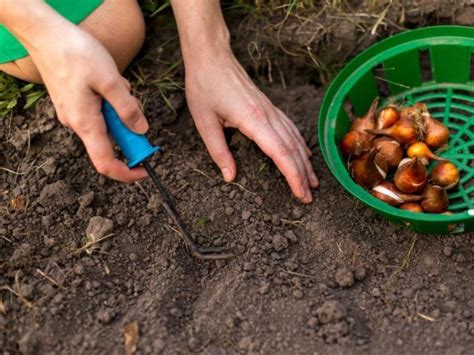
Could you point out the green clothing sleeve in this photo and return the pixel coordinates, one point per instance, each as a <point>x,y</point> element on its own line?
<point>74,11</point>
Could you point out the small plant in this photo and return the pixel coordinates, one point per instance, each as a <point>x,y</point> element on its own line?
<point>13,91</point>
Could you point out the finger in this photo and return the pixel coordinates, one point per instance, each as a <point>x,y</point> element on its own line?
<point>213,136</point>
<point>116,92</point>
<point>299,156</point>
<point>296,131</point>
<point>101,153</point>
<point>261,131</point>
<point>313,179</point>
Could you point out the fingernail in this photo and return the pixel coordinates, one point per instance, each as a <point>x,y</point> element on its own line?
<point>304,192</point>
<point>227,173</point>
<point>141,126</point>
<point>314,179</point>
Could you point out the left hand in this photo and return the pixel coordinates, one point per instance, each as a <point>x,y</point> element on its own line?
<point>221,94</point>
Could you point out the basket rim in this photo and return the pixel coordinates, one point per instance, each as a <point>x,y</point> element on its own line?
<point>411,39</point>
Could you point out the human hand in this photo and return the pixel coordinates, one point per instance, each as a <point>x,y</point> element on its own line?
<point>78,73</point>
<point>221,94</point>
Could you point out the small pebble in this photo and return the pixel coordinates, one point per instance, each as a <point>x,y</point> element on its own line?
<point>86,199</point>
<point>105,316</point>
<point>448,251</point>
<point>360,273</point>
<point>297,212</point>
<point>133,257</point>
<point>290,235</point>
<point>229,211</point>
<point>298,294</point>
<point>246,215</point>
<point>279,242</point>
<point>375,292</point>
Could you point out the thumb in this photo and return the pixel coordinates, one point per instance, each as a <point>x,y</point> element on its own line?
<point>212,134</point>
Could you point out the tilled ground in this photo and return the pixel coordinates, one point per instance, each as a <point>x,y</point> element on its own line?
<point>83,258</point>
<point>328,277</point>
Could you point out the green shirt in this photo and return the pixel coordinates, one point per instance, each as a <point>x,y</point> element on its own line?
<point>74,11</point>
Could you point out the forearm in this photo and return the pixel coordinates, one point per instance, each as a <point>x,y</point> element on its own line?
<point>31,21</point>
<point>202,29</point>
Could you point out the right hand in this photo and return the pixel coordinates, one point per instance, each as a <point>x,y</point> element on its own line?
<point>78,73</point>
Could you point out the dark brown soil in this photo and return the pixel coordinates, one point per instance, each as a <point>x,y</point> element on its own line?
<point>327,278</point>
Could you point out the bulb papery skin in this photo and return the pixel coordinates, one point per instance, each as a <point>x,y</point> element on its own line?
<point>445,174</point>
<point>411,176</point>
<point>355,143</point>
<point>435,199</point>
<point>388,193</point>
<point>404,131</point>
<point>367,121</point>
<point>390,149</point>
<point>387,117</point>
<point>369,170</point>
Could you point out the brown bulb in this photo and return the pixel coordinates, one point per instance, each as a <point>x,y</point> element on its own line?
<point>436,134</point>
<point>421,150</point>
<point>411,176</point>
<point>355,143</point>
<point>388,193</point>
<point>445,174</point>
<point>390,149</point>
<point>368,121</point>
<point>407,130</point>
<point>387,117</point>
<point>369,170</point>
<point>435,199</point>
<point>412,206</point>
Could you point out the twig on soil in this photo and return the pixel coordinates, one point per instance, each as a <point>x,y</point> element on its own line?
<point>50,279</point>
<point>5,238</point>
<point>142,189</point>
<point>405,262</point>
<point>17,292</point>
<point>2,307</point>
<point>91,241</point>
<point>299,274</point>
<point>240,186</point>
<point>424,316</point>
<point>380,19</point>
<point>11,171</point>
<point>180,189</point>
<point>294,223</point>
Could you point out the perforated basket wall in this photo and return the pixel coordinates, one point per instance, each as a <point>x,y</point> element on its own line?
<point>433,65</point>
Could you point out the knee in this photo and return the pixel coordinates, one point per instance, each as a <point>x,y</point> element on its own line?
<point>23,69</point>
<point>120,27</point>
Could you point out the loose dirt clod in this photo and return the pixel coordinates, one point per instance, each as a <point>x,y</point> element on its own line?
<point>99,227</point>
<point>331,312</point>
<point>57,194</point>
<point>279,242</point>
<point>344,277</point>
<point>86,199</point>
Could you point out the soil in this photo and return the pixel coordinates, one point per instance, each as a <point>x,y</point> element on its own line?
<point>86,263</point>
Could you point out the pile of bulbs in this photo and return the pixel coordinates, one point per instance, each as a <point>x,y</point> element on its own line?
<point>401,139</point>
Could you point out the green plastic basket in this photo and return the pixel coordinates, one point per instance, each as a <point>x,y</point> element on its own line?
<point>396,66</point>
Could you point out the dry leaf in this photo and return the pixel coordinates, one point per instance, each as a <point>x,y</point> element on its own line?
<point>130,333</point>
<point>18,203</point>
<point>2,307</point>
